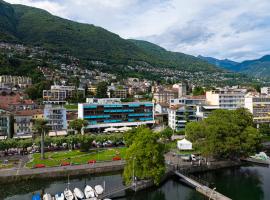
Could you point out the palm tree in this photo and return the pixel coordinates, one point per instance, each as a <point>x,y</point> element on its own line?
<point>41,127</point>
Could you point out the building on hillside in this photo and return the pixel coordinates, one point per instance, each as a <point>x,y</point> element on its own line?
<point>59,94</point>
<point>92,89</point>
<point>265,90</point>
<point>164,96</point>
<point>117,92</point>
<point>101,114</point>
<point>182,89</point>
<point>226,98</point>
<point>56,117</point>
<point>179,116</point>
<point>12,81</point>
<point>5,124</point>
<point>259,106</point>
<point>16,102</point>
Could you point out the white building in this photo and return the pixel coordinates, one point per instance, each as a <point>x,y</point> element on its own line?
<point>259,106</point>
<point>56,117</point>
<point>265,90</point>
<point>226,98</point>
<point>180,115</point>
<point>182,89</point>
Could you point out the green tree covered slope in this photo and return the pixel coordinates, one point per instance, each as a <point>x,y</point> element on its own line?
<point>36,27</point>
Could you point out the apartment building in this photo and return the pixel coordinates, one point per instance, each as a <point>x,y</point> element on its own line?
<point>226,98</point>
<point>58,94</point>
<point>259,106</point>
<point>5,124</point>
<point>56,117</point>
<point>12,81</point>
<point>164,96</point>
<point>179,116</point>
<point>23,122</point>
<point>265,90</point>
<point>101,114</point>
<point>190,100</point>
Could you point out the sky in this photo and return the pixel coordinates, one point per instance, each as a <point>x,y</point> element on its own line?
<point>234,29</point>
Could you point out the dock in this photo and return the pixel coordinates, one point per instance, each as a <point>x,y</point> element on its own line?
<point>203,189</point>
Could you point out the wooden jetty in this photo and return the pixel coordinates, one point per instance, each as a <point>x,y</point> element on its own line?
<point>203,189</point>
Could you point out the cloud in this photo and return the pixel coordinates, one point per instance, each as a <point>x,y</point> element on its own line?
<point>231,29</point>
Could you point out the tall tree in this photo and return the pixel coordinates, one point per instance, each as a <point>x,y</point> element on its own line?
<point>145,157</point>
<point>78,124</point>
<point>41,127</point>
<point>225,134</point>
<point>102,90</point>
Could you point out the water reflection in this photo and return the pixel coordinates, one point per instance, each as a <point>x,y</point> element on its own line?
<point>245,183</point>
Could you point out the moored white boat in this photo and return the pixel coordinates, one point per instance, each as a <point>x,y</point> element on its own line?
<point>99,189</point>
<point>59,196</point>
<point>78,193</point>
<point>68,194</point>
<point>47,197</point>
<point>89,192</point>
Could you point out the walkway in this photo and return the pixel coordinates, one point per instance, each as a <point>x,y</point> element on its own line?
<point>208,192</point>
<point>21,171</point>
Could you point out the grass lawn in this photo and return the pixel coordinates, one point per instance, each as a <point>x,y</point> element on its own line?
<point>71,106</point>
<point>6,166</point>
<point>76,157</point>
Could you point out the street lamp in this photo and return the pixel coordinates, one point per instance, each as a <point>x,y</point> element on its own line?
<point>133,171</point>
<point>212,193</point>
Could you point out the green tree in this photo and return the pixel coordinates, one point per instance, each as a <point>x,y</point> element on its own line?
<point>102,90</point>
<point>145,157</point>
<point>78,124</point>
<point>166,133</point>
<point>264,129</point>
<point>198,91</point>
<point>41,127</point>
<point>225,134</point>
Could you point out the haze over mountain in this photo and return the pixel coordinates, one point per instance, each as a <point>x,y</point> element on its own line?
<point>258,67</point>
<point>36,27</point>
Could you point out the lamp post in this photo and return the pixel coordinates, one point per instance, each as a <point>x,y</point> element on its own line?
<point>133,171</point>
<point>212,193</point>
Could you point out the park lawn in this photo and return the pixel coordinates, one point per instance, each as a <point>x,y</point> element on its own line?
<point>6,166</point>
<point>71,107</point>
<point>76,157</point>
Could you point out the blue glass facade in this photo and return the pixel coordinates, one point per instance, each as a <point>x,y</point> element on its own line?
<point>118,113</point>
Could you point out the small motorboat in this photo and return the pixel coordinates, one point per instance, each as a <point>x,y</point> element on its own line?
<point>59,196</point>
<point>68,194</point>
<point>47,197</point>
<point>89,192</point>
<point>78,193</point>
<point>36,197</point>
<point>99,189</point>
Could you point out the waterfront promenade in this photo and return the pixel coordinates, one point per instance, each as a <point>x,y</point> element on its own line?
<point>23,173</point>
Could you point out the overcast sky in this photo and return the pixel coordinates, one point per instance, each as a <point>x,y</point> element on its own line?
<point>234,29</point>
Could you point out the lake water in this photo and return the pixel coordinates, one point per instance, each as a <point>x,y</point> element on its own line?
<point>243,183</point>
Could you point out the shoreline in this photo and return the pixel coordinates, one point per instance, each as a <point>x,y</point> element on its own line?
<point>15,175</point>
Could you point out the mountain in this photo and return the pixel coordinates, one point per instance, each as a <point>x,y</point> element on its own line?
<point>36,27</point>
<point>259,68</point>
<point>225,64</point>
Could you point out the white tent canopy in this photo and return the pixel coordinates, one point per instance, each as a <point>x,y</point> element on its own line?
<point>123,129</point>
<point>184,144</point>
<point>111,129</point>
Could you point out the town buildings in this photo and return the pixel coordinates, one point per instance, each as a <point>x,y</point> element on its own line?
<point>226,98</point>
<point>259,106</point>
<point>59,94</point>
<point>56,117</point>
<point>12,81</point>
<point>5,124</point>
<point>101,114</point>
